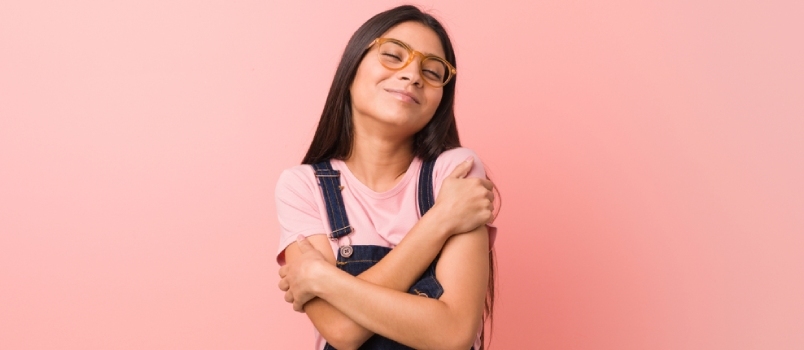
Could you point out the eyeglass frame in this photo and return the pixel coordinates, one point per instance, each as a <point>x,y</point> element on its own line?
<point>451,71</point>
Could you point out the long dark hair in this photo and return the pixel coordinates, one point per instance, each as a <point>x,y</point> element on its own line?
<point>334,136</point>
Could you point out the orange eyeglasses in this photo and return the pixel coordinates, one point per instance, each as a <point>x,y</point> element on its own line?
<point>395,55</point>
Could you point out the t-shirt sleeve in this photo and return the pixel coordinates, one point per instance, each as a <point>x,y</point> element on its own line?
<point>297,208</point>
<point>447,162</point>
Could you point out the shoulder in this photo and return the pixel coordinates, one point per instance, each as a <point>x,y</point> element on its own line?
<point>296,181</point>
<point>458,154</point>
<point>448,160</point>
<point>295,175</point>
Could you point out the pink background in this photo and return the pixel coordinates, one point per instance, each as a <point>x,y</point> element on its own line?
<point>649,155</point>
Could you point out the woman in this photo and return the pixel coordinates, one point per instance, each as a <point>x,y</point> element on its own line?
<point>385,170</point>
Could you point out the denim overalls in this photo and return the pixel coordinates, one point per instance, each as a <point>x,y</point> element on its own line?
<point>359,258</point>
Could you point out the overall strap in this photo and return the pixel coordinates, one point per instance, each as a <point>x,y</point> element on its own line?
<point>330,182</point>
<point>425,190</point>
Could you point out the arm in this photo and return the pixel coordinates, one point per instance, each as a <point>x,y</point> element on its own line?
<point>397,271</point>
<point>462,205</point>
<point>447,323</point>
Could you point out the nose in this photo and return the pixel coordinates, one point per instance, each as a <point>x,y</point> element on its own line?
<point>412,72</point>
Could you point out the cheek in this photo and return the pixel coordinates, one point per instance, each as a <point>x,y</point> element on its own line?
<point>436,100</point>
<point>364,85</point>
<point>359,90</point>
<point>370,73</point>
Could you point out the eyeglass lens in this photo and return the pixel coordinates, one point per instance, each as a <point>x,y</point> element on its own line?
<point>395,56</point>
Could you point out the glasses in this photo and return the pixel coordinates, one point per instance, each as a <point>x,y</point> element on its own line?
<point>395,55</point>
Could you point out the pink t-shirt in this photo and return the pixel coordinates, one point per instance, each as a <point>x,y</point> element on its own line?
<point>381,219</point>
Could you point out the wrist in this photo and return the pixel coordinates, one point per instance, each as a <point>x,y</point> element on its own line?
<point>319,273</point>
<point>438,223</point>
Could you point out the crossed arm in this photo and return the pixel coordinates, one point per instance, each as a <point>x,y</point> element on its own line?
<point>397,271</point>
<point>450,322</point>
<point>347,310</point>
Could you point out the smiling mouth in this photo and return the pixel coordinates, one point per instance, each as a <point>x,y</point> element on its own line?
<point>405,96</point>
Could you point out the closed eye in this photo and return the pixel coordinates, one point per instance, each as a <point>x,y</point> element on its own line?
<point>432,74</point>
<point>395,57</point>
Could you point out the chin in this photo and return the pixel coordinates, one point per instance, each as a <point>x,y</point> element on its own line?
<point>399,121</point>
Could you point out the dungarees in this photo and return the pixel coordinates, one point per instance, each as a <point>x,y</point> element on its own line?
<point>359,258</point>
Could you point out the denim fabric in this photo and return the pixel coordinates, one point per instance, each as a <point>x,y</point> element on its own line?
<point>425,190</point>
<point>330,181</point>
<point>365,256</point>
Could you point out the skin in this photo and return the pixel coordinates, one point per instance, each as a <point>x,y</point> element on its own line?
<point>384,124</point>
<point>347,310</point>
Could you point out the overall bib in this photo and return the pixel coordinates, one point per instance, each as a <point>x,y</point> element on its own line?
<point>359,258</point>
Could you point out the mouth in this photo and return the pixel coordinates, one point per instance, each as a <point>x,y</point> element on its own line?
<point>404,95</point>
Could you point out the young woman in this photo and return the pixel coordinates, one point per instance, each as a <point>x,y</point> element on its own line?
<point>384,227</point>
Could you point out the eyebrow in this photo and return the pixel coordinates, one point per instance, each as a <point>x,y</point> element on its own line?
<point>426,53</point>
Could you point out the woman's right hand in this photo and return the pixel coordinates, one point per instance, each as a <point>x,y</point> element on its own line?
<point>463,204</point>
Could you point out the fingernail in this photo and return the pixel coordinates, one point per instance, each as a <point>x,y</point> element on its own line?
<point>469,159</point>
<point>299,238</point>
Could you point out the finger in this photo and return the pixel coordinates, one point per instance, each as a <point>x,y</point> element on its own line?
<point>288,297</point>
<point>487,184</point>
<point>463,168</point>
<point>283,271</point>
<point>284,285</point>
<point>298,307</point>
<point>304,244</point>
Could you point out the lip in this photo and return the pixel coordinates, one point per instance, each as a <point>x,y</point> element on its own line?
<point>405,93</point>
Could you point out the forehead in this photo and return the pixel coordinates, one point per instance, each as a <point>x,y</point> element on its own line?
<point>420,37</point>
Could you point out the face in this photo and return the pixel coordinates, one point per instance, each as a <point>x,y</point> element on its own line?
<point>399,101</point>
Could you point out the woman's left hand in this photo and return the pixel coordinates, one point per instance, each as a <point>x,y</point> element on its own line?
<point>298,278</point>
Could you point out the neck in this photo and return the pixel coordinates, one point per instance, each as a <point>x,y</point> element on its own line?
<point>379,163</point>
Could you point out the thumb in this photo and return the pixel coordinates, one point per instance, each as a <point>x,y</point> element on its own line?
<point>463,169</point>
<point>304,244</point>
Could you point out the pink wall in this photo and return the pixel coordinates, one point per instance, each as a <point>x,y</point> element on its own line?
<point>650,158</point>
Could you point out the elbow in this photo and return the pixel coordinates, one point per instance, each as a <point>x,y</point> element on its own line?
<point>460,337</point>
<point>460,343</point>
<point>342,344</point>
<point>343,337</point>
